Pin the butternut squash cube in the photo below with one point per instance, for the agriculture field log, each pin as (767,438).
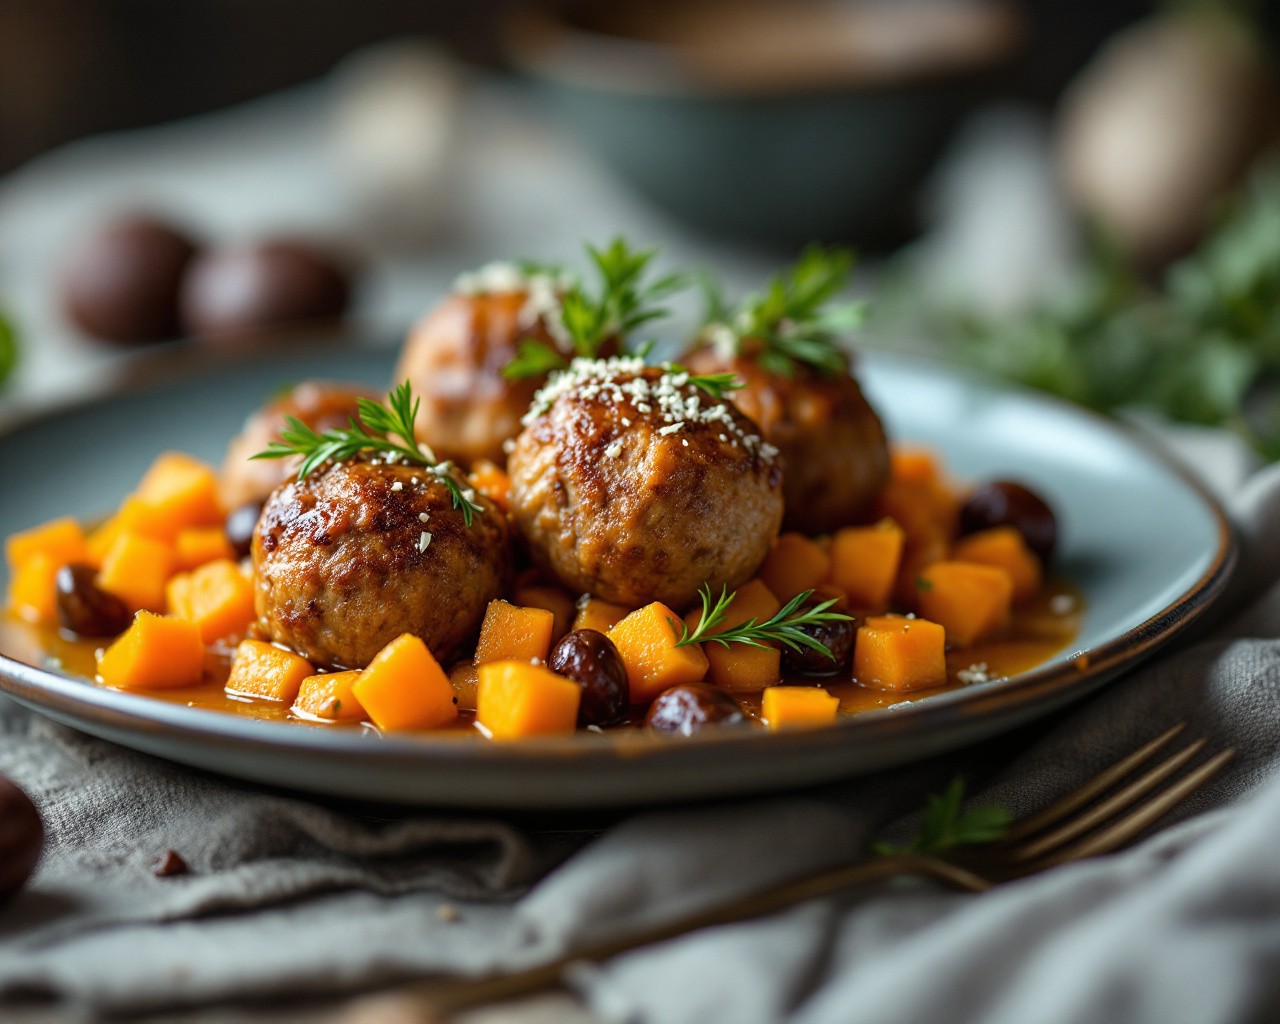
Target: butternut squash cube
(492,481)
(32,589)
(200,545)
(896,653)
(599,615)
(404,688)
(864,562)
(136,569)
(516,699)
(155,653)
(1005,548)
(182,492)
(266,672)
(646,639)
(742,667)
(794,565)
(62,541)
(914,465)
(553,599)
(786,706)
(510,632)
(969,600)
(464,677)
(920,506)
(329,697)
(217,597)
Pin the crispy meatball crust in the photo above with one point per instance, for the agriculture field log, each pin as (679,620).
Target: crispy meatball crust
(341,569)
(321,405)
(454,359)
(834,454)
(615,500)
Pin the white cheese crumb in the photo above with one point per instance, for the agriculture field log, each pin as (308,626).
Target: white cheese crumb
(684,441)
(424,538)
(674,428)
(398,485)
(614,450)
(975,673)
(1062,604)
(423,516)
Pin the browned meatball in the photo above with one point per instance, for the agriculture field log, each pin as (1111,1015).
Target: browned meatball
(455,356)
(632,484)
(362,551)
(834,455)
(319,404)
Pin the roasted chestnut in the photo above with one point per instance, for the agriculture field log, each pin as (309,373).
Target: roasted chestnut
(1008,503)
(837,637)
(84,608)
(240,526)
(687,709)
(21,839)
(590,659)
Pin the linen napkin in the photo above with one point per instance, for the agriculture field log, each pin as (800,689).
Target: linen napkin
(288,895)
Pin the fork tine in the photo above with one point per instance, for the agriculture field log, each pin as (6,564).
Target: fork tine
(1108,808)
(1127,828)
(1060,808)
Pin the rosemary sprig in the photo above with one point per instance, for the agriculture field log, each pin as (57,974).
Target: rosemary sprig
(794,321)
(946,824)
(621,303)
(378,428)
(717,385)
(783,628)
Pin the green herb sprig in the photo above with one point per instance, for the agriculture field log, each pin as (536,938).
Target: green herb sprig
(8,347)
(717,385)
(621,303)
(378,428)
(795,320)
(783,627)
(947,824)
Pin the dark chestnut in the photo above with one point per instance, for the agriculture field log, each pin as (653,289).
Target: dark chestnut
(837,637)
(590,659)
(240,526)
(21,839)
(238,291)
(1008,503)
(84,608)
(122,282)
(693,706)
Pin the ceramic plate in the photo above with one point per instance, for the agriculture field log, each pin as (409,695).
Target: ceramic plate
(1147,546)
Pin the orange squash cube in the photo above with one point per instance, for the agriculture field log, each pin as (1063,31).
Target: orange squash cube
(136,569)
(182,492)
(896,653)
(267,672)
(1005,548)
(646,639)
(200,545)
(217,597)
(794,565)
(329,697)
(864,562)
(404,687)
(914,465)
(32,589)
(516,699)
(742,667)
(510,632)
(492,481)
(464,677)
(599,615)
(155,653)
(62,541)
(785,706)
(969,600)
(553,599)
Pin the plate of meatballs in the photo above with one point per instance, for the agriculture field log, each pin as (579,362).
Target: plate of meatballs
(552,552)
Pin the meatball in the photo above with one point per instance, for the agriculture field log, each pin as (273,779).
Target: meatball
(455,356)
(632,484)
(363,550)
(321,405)
(834,454)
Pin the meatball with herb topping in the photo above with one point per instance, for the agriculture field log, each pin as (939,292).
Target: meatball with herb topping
(363,550)
(635,484)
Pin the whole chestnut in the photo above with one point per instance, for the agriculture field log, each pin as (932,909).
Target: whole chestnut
(21,839)
(242,290)
(241,522)
(84,608)
(836,636)
(693,706)
(122,282)
(589,658)
(1009,503)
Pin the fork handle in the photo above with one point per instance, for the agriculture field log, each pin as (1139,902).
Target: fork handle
(437,1001)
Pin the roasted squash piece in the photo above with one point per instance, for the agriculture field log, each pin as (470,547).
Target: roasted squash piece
(200,545)
(32,589)
(464,677)
(646,639)
(62,541)
(136,569)
(269,673)
(558,602)
(492,481)
(512,632)
(795,564)
(181,492)
(864,562)
(785,706)
(914,465)
(517,699)
(156,652)
(599,615)
(969,600)
(329,697)
(404,687)
(742,667)
(896,653)
(1005,548)
(217,597)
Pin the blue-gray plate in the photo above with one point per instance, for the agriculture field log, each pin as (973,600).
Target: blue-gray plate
(1147,546)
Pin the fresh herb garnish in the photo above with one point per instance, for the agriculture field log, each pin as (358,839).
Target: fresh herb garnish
(379,427)
(795,321)
(8,347)
(783,628)
(621,303)
(947,824)
(717,385)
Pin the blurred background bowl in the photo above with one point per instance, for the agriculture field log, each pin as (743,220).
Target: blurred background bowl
(775,122)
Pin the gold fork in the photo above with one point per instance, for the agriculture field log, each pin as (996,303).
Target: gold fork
(1110,816)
